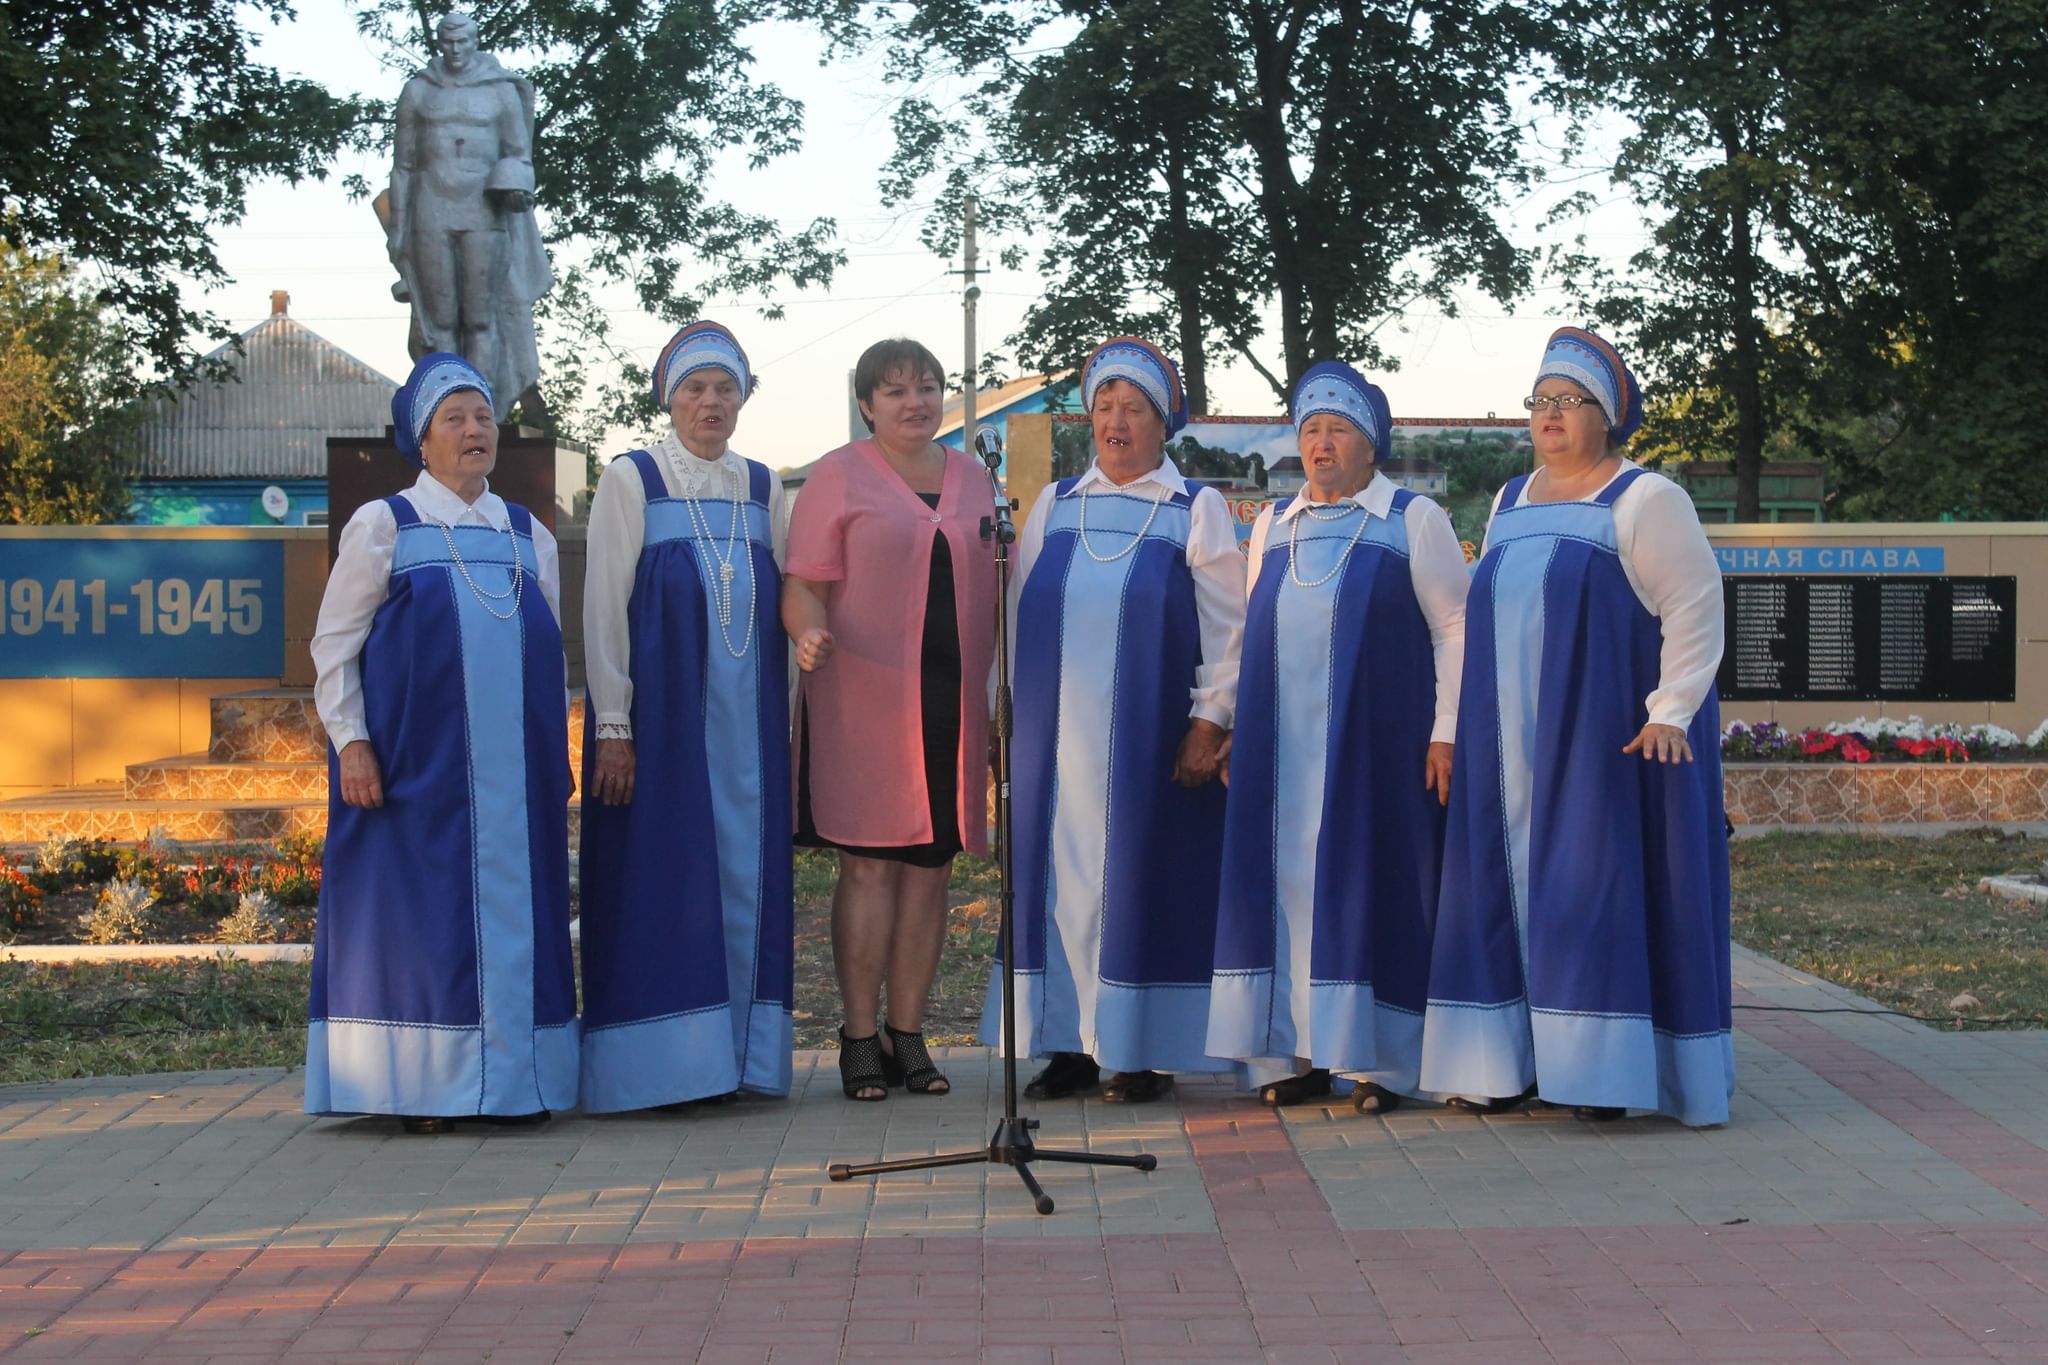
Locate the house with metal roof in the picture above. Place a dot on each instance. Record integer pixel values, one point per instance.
(252, 451)
(992, 408)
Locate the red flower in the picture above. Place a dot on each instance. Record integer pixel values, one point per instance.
(1818, 742)
(1854, 750)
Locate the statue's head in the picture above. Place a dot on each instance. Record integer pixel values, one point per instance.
(456, 37)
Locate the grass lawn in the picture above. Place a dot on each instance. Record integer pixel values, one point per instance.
(1899, 920)
(118, 1019)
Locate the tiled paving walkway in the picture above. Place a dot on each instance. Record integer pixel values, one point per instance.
(1878, 1196)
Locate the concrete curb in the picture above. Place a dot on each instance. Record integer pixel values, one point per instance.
(148, 952)
(2015, 889)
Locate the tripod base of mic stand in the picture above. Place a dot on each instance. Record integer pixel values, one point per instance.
(1010, 1146)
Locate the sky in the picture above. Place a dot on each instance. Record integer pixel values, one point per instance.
(328, 252)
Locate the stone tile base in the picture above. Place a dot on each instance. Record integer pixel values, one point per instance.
(1793, 794)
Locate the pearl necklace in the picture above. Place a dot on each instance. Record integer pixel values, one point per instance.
(1157, 498)
(1294, 537)
(721, 586)
(484, 599)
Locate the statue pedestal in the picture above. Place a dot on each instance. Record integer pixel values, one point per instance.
(363, 469)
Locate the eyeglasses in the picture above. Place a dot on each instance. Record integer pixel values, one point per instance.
(1562, 402)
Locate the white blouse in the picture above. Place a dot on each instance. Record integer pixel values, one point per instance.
(361, 579)
(1214, 561)
(618, 530)
(1670, 564)
(1436, 568)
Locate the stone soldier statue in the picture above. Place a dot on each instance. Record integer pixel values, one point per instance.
(458, 217)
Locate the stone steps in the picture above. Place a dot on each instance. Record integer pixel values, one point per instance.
(197, 777)
(104, 811)
(262, 777)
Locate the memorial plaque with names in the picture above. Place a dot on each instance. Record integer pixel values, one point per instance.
(1888, 638)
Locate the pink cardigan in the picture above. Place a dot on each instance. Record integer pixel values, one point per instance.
(857, 525)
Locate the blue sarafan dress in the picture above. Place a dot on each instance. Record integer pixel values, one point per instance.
(688, 928)
(442, 978)
(1115, 864)
(1332, 842)
(1582, 928)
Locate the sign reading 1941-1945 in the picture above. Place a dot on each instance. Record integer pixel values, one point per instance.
(1874, 638)
(90, 608)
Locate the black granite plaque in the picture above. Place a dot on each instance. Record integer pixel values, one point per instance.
(1878, 638)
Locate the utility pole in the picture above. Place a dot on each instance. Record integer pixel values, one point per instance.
(972, 292)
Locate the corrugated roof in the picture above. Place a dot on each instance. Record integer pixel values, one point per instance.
(292, 390)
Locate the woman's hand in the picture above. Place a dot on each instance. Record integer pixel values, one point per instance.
(362, 782)
(612, 780)
(1661, 744)
(813, 649)
(1202, 753)
(1436, 772)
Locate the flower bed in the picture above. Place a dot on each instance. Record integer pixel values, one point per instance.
(88, 891)
(1861, 740)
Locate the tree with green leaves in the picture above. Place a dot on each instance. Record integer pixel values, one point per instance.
(135, 130)
(66, 385)
(1199, 163)
(1849, 238)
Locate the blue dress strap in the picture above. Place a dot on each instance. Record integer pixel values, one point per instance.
(1402, 497)
(1281, 506)
(757, 482)
(1511, 493)
(522, 520)
(402, 510)
(1618, 486)
(650, 474)
(1065, 486)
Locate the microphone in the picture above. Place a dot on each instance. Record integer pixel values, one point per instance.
(988, 443)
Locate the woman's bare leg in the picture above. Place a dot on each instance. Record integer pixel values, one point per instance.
(920, 937)
(863, 929)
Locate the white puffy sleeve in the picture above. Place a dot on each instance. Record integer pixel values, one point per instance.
(1219, 574)
(1670, 564)
(1436, 566)
(618, 528)
(356, 586)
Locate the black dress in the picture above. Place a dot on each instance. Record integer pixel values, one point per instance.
(938, 675)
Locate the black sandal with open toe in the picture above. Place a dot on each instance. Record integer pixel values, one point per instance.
(860, 1068)
(1310, 1085)
(1505, 1104)
(910, 1066)
(1370, 1097)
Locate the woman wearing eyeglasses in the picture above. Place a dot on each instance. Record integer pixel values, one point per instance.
(1581, 949)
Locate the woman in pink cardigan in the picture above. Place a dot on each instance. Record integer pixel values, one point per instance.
(889, 596)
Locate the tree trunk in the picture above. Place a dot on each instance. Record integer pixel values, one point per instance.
(1184, 280)
(1746, 358)
(1266, 130)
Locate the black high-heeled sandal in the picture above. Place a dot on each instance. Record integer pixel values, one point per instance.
(860, 1068)
(910, 1065)
(1310, 1085)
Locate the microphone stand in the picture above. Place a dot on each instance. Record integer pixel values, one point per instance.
(1011, 1145)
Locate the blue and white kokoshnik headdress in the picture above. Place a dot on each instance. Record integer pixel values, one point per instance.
(700, 346)
(434, 377)
(1143, 364)
(1591, 362)
(1332, 386)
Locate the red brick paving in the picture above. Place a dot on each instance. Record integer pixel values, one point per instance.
(1279, 1282)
